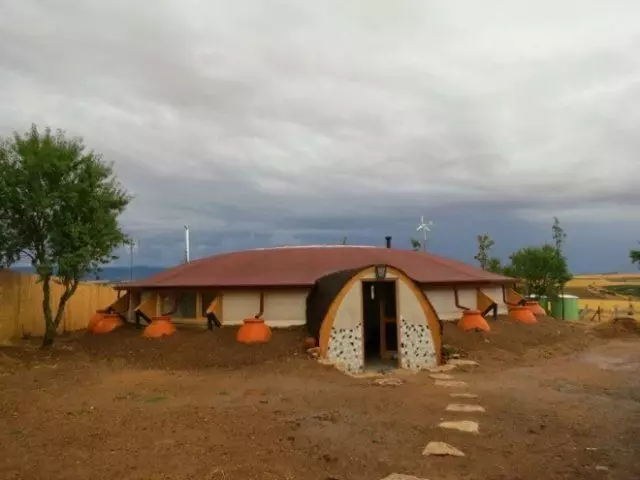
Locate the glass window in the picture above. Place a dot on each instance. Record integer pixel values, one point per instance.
(207, 298)
(186, 305)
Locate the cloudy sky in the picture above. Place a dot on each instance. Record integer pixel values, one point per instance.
(269, 122)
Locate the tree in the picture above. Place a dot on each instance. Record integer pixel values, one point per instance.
(59, 207)
(344, 240)
(542, 269)
(558, 235)
(494, 265)
(487, 262)
(484, 248)
(416, 245)
(634, 255)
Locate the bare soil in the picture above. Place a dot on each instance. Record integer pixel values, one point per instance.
(562, 403)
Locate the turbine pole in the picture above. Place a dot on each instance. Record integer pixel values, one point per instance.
(187, 253)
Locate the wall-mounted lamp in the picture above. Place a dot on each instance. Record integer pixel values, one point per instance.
(381, 272)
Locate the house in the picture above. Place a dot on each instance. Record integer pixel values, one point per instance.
(361, 304)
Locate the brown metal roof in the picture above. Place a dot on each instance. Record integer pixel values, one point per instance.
(302, 266)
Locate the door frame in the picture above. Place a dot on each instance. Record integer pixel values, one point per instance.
(382, 326)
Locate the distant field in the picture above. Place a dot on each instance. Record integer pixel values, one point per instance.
(616, 285)
(594, 304)
(608, 292)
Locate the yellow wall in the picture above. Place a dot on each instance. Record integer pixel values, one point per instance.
(21, 305)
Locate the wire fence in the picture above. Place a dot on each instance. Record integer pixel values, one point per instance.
(598, 313)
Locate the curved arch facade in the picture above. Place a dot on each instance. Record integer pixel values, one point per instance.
(341, 335)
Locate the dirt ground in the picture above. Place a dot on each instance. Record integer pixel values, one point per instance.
(562, 402)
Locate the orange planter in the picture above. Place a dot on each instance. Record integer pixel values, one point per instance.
(107, 323)
(254, 330)
(95, 319)
(159, 327)
(535, 308)
(473, 320)
(522, 314)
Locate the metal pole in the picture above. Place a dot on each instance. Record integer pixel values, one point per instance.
(131, 262)
(186, 241)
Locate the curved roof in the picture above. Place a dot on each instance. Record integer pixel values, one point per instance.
(302, 266)
(321, 296)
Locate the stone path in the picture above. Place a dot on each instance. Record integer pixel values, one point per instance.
(443, 378)
(464, 407)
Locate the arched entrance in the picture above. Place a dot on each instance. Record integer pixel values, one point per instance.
(364, 316)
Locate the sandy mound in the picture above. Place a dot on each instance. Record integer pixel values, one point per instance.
(619, 327)
(510, 341)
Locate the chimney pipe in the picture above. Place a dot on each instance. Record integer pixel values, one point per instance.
(388, 239)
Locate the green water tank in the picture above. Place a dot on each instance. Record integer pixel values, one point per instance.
(571, 307)
(544, 303)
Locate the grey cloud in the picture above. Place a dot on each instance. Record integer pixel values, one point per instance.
(296, 122)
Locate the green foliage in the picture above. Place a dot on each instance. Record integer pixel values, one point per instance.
(634, 256)
(494, 265)
(416, 245)
(558, 235)
(541, 268)
(59, 207)
(487, 262)
(630, 290)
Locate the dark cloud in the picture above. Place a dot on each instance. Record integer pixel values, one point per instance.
(295, 122)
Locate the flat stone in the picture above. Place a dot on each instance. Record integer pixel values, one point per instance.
(441, 449)
(364, 375)
(447, 367)
(457, 362)
(451, 383)
(441, 376)
(388, 382)
(401, 476)
(463, 395)
(461, 407)
(602, 468)
(462, 426)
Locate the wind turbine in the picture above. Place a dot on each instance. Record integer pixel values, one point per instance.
(133, 247)
(425, 228)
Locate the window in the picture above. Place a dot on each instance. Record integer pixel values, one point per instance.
(207, 298)
(186, 305)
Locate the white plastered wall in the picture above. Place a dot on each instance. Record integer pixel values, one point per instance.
(285, 308)
(238, 305)
(443, 301)
(349, 313)
(495, 293)
(410, 308)
(282, 308)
